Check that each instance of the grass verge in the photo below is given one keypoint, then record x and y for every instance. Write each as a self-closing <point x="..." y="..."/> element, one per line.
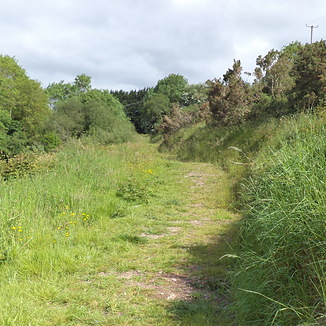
<point x="282" y="261"/>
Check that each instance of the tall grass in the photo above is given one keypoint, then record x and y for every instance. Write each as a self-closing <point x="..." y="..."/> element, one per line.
<point x="235" y="149"/>
<point x="89" y="240"/>
<point x="281" y="278"/>
<point x="281" y="275"/>
<point x="63" y="220"/>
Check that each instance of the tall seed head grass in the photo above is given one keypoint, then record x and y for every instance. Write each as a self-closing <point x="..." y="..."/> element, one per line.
<point x="283" y="234"/>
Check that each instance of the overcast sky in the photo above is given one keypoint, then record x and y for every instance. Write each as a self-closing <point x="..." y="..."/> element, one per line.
<point x="131" y="44"/>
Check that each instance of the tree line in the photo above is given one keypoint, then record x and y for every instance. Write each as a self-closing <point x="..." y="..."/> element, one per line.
<point x="287" y="81"/>
<point x="35" y="118"/>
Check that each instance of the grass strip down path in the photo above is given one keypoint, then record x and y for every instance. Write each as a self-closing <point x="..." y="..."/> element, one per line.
<point x="116" y="236"/>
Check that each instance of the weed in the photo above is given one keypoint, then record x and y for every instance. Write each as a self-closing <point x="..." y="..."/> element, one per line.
<point x="132" y="191"/>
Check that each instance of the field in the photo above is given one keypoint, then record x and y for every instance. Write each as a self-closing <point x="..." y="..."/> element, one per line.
<point x="116" y="235"/>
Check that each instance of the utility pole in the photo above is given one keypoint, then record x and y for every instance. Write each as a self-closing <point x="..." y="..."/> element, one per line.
<point x="311" y="31"/>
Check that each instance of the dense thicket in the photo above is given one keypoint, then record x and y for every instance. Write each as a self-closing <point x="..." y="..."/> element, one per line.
<point x="133" y="102"/>
<point x="147" y="108"/>
<point x="82" y="112"/>
<point x="285" y="82"/>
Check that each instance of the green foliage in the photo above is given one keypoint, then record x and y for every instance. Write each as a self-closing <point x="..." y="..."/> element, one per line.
<point x="274" y="79"/>
<point x="194" y="94"/>
<point x="23" y="108"/>
<point x="280" y="278"/>
<point x="132" y="191"/>
<point x="13" y="139"/>
<point x="61" y="91"/>
<point x="91" y="114"/>
<point x="139" y="185"/>
<point x="174" y="87"/>
<point x="50" y="141"/>
<point x="286" y="81"/>
<point x="154" y="108"/>
<point x="133" y="102"/>
<point x="282" y="262"/>
<point x="229" y="99"/>
<point x="25" y="164"/>
<point x="310" y="73"/>
<point x="68" y="119"/>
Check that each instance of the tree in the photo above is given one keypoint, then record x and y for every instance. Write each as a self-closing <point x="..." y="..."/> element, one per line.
<point x="68" y="119"/>
<point x="82" y="84"/>
<point x="133" y="102"/>
<point x="61" y="91"/>
<point x="274" y="72"/>
<point x="310" y="74"/>
<point x="177" y="119"/>
<point x="91" y="113"/>
<point x="13" y="139"/>
<point x="173" y="86"/>
<point x="22" y="97"/>
<point x="154" y="109"/>
<point x="229" y="99"/>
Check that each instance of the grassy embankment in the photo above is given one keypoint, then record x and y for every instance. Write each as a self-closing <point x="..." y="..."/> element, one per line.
<point x="280" y="275"/>
<point x="116" y="235"/>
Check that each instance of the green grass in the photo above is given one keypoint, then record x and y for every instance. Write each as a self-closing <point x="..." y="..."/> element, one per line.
<point x="277" y="172"/>
<point x="283" y="256"/>
<point x="98" y="237"/>
<point x="236" y="148"/>
<point x="124" y="235"/>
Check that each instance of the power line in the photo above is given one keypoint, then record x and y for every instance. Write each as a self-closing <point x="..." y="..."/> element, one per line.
<point x="311" y="31"/>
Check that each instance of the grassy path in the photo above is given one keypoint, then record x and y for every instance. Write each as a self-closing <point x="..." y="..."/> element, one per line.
<point x="150" y="254"/>
<point x="193" y="288"/>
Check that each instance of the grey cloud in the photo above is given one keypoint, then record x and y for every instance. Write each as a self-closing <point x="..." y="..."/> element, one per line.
<point x="133" y="43"/>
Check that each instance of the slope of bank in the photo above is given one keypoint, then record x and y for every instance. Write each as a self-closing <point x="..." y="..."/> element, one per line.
<point x="277" y="171"/>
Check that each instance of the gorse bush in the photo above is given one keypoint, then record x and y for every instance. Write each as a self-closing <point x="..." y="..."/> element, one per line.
<point x="282" y="262"/>
<point x="25" y="164"/>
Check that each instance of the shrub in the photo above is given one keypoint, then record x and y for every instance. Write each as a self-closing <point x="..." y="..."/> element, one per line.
<point x="50" y="140"/>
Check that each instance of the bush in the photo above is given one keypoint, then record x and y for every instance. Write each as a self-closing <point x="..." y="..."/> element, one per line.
<point x="50" y="140"/>
<point x="25" y="164"/>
